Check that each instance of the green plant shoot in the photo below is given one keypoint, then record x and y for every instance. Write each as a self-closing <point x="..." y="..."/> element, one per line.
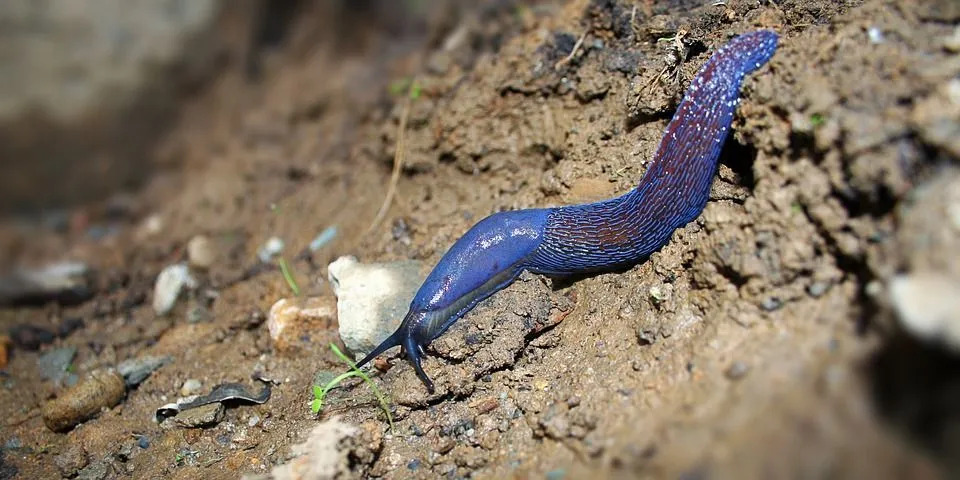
<point x="288" y="276"/>
<point x="320" y="393"/>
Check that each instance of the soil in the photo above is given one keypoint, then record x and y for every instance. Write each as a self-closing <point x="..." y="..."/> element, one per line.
<point x="756" y="344"/>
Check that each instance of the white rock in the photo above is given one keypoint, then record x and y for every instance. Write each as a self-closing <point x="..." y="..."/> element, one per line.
<point x="201" y="252"/>
<point x="928" y="305"/>
<point x="371" y="299"/>
<point x="170" y="283"/>
<point x="322" y="455"/>
<point x="271" y="248"/>
<point x="190" y="387"/>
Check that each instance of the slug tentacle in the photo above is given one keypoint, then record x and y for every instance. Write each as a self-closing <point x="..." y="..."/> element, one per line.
<point x="596" y="236"/>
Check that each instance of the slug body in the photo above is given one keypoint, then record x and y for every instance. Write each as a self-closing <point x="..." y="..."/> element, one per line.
<point x="597" y="236"/>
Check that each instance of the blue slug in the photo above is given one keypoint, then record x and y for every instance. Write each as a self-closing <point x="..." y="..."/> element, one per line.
<point x="592" y="237"/>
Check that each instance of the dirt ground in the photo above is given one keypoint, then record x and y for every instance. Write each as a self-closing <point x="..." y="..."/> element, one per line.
<point x="757" y="344"/>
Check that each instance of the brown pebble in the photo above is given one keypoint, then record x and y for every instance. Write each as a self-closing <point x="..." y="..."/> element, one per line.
<point x="4" y="353"/>
<point x="485" y="405"/>
<point x="381" y="364"/>
<point x="101" y="389"/>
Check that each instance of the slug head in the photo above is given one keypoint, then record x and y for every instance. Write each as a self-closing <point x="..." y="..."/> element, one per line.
<point x="410" y="343"/>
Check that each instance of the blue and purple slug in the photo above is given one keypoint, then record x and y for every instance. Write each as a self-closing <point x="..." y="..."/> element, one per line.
<point x="593" y="237"/>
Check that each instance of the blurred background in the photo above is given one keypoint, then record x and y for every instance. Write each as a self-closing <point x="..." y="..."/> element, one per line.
<point x="178" y="177"/>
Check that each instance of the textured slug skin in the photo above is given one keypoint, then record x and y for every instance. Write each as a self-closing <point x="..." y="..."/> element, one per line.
<point x="597" y="236"/>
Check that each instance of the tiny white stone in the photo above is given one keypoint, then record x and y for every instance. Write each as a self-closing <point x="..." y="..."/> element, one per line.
<point x="170" y="283"/>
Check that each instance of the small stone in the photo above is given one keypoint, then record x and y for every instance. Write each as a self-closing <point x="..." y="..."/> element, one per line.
<point x="143" y="442"/>
<point x="737" y="370"/>
<point x="137" y="370"/>
<point x="557" y="474"/>
<point x="928" y="306"/>
<point x="203" y="416"/>
<point x="67" y="283"/>
<point x="170" y="283"/>
<point x="293" y="320"/>
<point x="371" y="299"/>
<point x="31" y="337"/>
<point x="817" y="289"/>
<point x="952" y="43"/>
<point x="151" y="226"/>
<point x="771" y="303"/>
<point x="71" y="460"/>
<point x="94" y="471"/>
<point x="253" y="421"/>
<point x="271" y="248"/>
<point x="197" y="313"/>
<point x="54" y="364"/>
<point x="201" y="252"/>
<point x="4" y="354"/>
<point x="191" y="386"/>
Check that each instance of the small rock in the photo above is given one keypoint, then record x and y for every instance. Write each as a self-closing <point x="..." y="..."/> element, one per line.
<point x="323" y="454"/>
<point x="253" y="421"/>
<point x="817" y="289"/>
<point x="101" y="389"/>
<point x="928" y="305"/>
<point x="4" y="354"/>
<point x="201" y="252"/>
<point x="136" y="370"/>
<point x="292" y="320"/>
<point x="271" y="248"/>
<point x="143" y="442"/>
<point x="31" y="337"/>
<point x="71" y="460"/>
<point x="737" y="370"/>
<point x="150" y="226"/>
<point x="197" y="313"/>
<point x="771" y="303"/>
<point x="54" y="364"/>
<point x="557" y="474"/>
<point x="952" y="43"/>
<point x="170" y="283"/>
<point x="190" y="387"/>
<point x="66" y="283"/>
<point x="659" y="294"/>
<point x="371" y="299"/>
<point x="203" y="416"/>
<point x="94" y="471"/>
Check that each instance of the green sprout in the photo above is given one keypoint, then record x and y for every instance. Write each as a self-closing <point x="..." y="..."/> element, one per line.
<point x="817" y="119"/>
<point x="288" y="276"/>
<point x="320" y="393"/>
<point x="407" y="85"/>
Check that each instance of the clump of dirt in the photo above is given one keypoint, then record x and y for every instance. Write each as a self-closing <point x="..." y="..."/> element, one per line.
<point x="755" y="344"/>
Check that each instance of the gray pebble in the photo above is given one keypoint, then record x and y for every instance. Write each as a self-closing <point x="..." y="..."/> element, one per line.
<point x="771" y="303"/>
<point x="203" y="416"/>
<point x="94" y="471"/>
<point x="737" y="370"/>
<point x="817" y="289"/>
